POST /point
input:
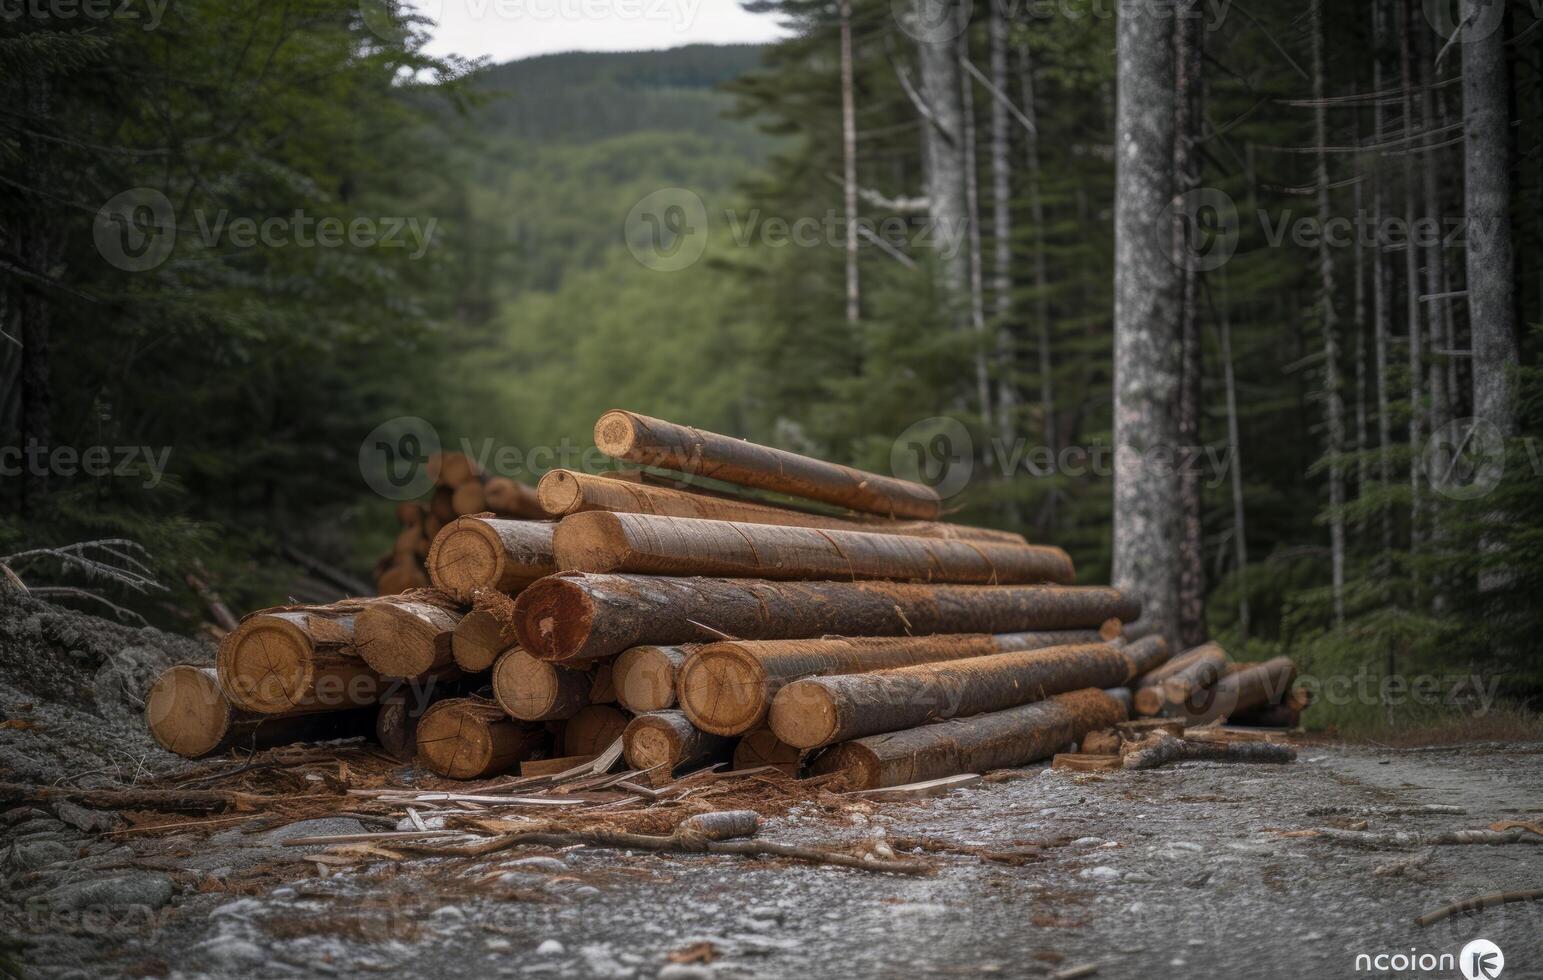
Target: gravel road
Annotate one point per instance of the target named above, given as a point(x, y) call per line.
point(1179, 872)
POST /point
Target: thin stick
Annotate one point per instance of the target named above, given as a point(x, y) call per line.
point(1478, 904)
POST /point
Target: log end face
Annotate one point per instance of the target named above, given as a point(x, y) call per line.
point(616, 434)
point(1149, 700)
point(858, 763)
point(722, 690)
point(803, 715)
point(478, 640)
point(647, 745)
point(559, 493)
point(394, 642)
point(186, 711)
point(644, 679)
point(266, 666)
point(552, 619)
point(453, 742)
point(524, 686)
point(590, 541)
point(467, 555)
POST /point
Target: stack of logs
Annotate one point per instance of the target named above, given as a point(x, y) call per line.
point(707, 627)
point(460, 488)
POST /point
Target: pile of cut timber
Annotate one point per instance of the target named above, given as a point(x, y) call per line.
point(798, 614)
point(1204, 685)
point(460, 488)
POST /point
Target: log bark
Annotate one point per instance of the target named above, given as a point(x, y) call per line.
point(654, 442)
point(469, 499)
point(819, 711)
point(564, 492)
point(488, 553)
point(666, 741)
point(592, 730)
point(761, 747)
point(579, 616)
point(535, 690)
point(188, 714)
point(728, 688)
point(452, 469)
point(1145, 655)
point(1248, 686)
point(1163, 748)
point(644, 676)
point(484, 632)
point(468, 738)
point(999, 740)
point(604, 542)
point(408, 636)
point(1170, 687)
point(288, 659)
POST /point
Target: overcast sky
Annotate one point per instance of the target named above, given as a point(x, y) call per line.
point(505, 30)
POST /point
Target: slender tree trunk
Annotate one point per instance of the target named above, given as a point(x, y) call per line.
point(849, 163)
point(1334, 410)
point(1435, 259)
point(1002, 232)
point(1487, 200)
point(1041, 272)
point(1146, 342)
point(1362, 443)
point(1416, 345)
point(1382, 285)
point(36, 315)
point(1235, 456)
point(1188, 100)
point(983, 347)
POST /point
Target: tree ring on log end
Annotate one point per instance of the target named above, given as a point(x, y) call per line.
point(552, 619)
point(650, 746)
point(186, 712)
point(803, 715)
point(454, 743)
point(466, 557)
point(558, 493)
point(267, 666)
point(614, 434)
point(722, 690)
point(860, 766)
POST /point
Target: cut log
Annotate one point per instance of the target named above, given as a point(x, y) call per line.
point(469, 499)
point(1081, 762)
point(401, 576)
point(188, 714)
point(535, 690)
point(442, 507)
point(1146, 654)
point(410, 513)
point(1168, 688)
point(599, 541)
point(297, 659)
point(727, 688)
point(401, 708)
point(564, 492)
point(760, 747)
point(408, 636)
point(484, 632)
point(999, 740)
point(577, 616)
point(452, 469)
point(1162, 748)
point(819, 711)
point(592, 730)
point(654, 442)
point(645, 676)
point(474, 553)
point(511, 498)
point(665, 741)
point(468, 738)
point(1106, 742)
point(1245, 687)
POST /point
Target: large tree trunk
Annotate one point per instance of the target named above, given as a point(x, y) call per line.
point(849, 163)
point(1487, 200)
point(1146, 345)
point(1334, 408)
point(1188, 101)
point(936, 30)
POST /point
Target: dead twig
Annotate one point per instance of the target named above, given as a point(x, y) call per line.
point(1478, 904)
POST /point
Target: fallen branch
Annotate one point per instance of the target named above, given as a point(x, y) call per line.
point(1478, 905)
point(174, 800)
point(1162, 748)
point(1351, 810)
point(1361, 838)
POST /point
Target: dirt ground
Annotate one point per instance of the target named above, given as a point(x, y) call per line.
point(1177, 872)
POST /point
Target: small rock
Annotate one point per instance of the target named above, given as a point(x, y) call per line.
point(448, 913)
point(497, 945)
point(1102, 873)
point(35, 854)
point(232, 953)
point(549, 947)
point(148, 890)
point(1087, 842)
point(91, 821)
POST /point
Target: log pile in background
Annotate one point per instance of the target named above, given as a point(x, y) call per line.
point(843, 626)
point(460, 489)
